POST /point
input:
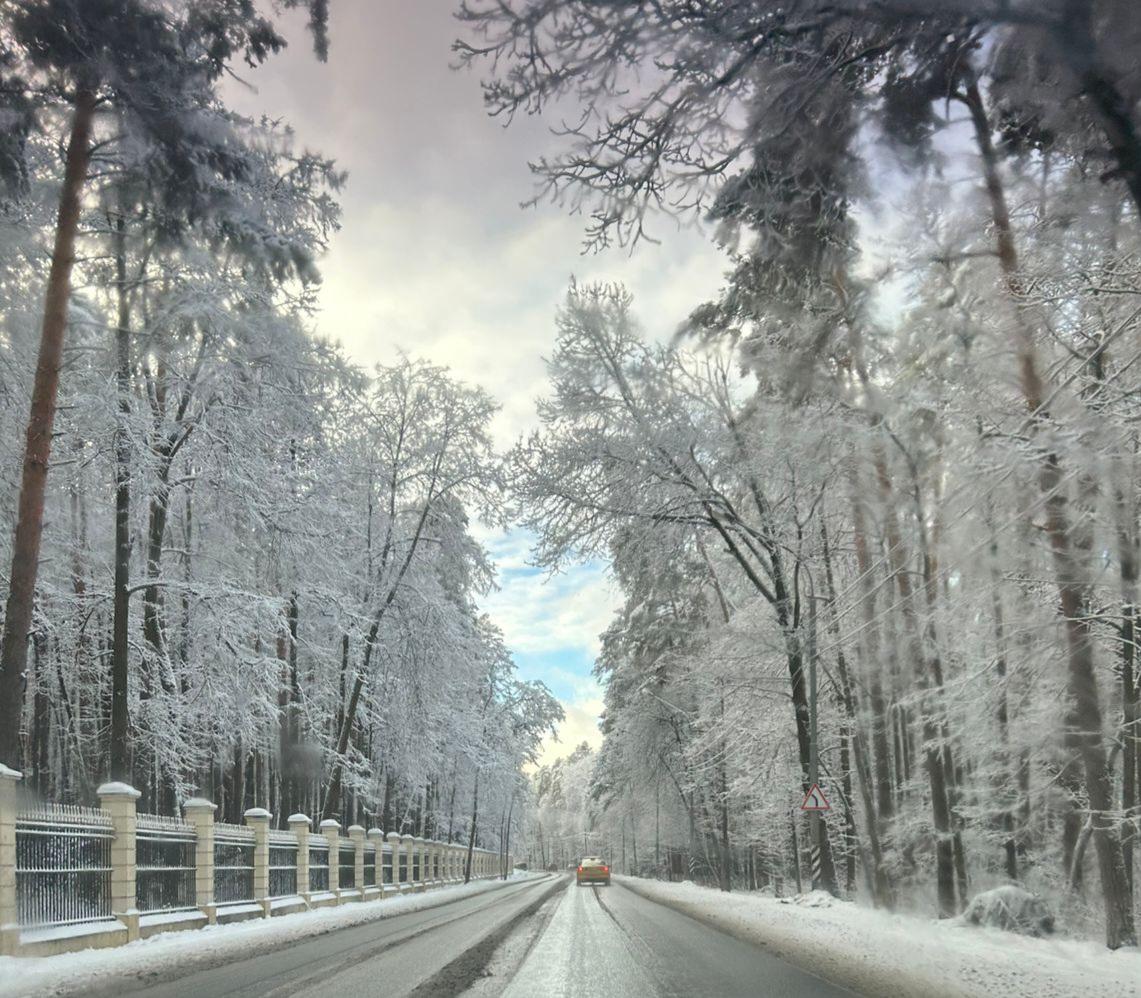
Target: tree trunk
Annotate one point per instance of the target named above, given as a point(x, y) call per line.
point(1069, 571)
point(471, 834)
point(507, 837)
point(935, 752)
point(120, 629)
point(884, 811)
point(1127, 538)
point(881, 886)
point(38, 440)
point(287, 803)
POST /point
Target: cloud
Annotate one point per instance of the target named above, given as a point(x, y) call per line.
point(435, 257)
point(541, 614)
point(580, 725)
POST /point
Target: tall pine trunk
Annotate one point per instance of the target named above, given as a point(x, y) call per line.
point(38, 440)
point(121, 605)
point(1070, 572)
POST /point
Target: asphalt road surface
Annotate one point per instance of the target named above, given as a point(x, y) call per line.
point(543, 938)
point(606, 942)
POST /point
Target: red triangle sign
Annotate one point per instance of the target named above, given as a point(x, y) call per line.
point(815, 800)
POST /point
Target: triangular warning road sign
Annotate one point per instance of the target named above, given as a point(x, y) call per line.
point(815, 800)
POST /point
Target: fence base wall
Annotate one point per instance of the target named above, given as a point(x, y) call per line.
point(179, 921)
point(52, 942)
point(243, 912)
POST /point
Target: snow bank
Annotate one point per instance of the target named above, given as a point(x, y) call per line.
point(174, 954)
point(876, 953)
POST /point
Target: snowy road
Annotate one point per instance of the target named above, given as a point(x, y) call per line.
point(608, 942)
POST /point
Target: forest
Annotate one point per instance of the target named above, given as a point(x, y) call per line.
point(250, 571)
point(873, 509)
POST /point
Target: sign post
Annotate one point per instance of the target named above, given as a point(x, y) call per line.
point(815, 803)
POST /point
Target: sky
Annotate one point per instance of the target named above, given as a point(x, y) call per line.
point(436, 259)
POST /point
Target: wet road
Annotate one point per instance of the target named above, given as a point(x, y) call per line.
point(607, 942)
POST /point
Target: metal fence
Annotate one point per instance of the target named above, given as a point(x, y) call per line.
point(233, 864)
point(282, 864)
point(369, 865)
point(318, 863)
point(416, 875)
point(402, 866)
point(164, 863)
point(386, 865)
point(347, 872)
point(63, 865)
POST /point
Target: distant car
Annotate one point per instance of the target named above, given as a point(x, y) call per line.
point(592, 870)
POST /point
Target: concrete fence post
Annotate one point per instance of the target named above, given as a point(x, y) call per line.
point(356, 834)
point(9, 924)
point(258, 819)
point(200, 813)
point(331, 829)
point(299, 826)
point(120, 801)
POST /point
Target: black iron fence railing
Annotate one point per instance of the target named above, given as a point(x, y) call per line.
point(347, 872)
point(369, 865)
point(318, 863)
point(63, 866)
point(233, 864)
point(282, 865)
point(164, 864)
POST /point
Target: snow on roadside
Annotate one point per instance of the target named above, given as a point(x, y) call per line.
point(175, 954)
point(876, 953)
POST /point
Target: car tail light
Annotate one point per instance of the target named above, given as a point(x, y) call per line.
point(580, 869)
point(606, 869)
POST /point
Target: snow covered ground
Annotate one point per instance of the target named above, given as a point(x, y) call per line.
point(24, 977)
point(877, 953)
